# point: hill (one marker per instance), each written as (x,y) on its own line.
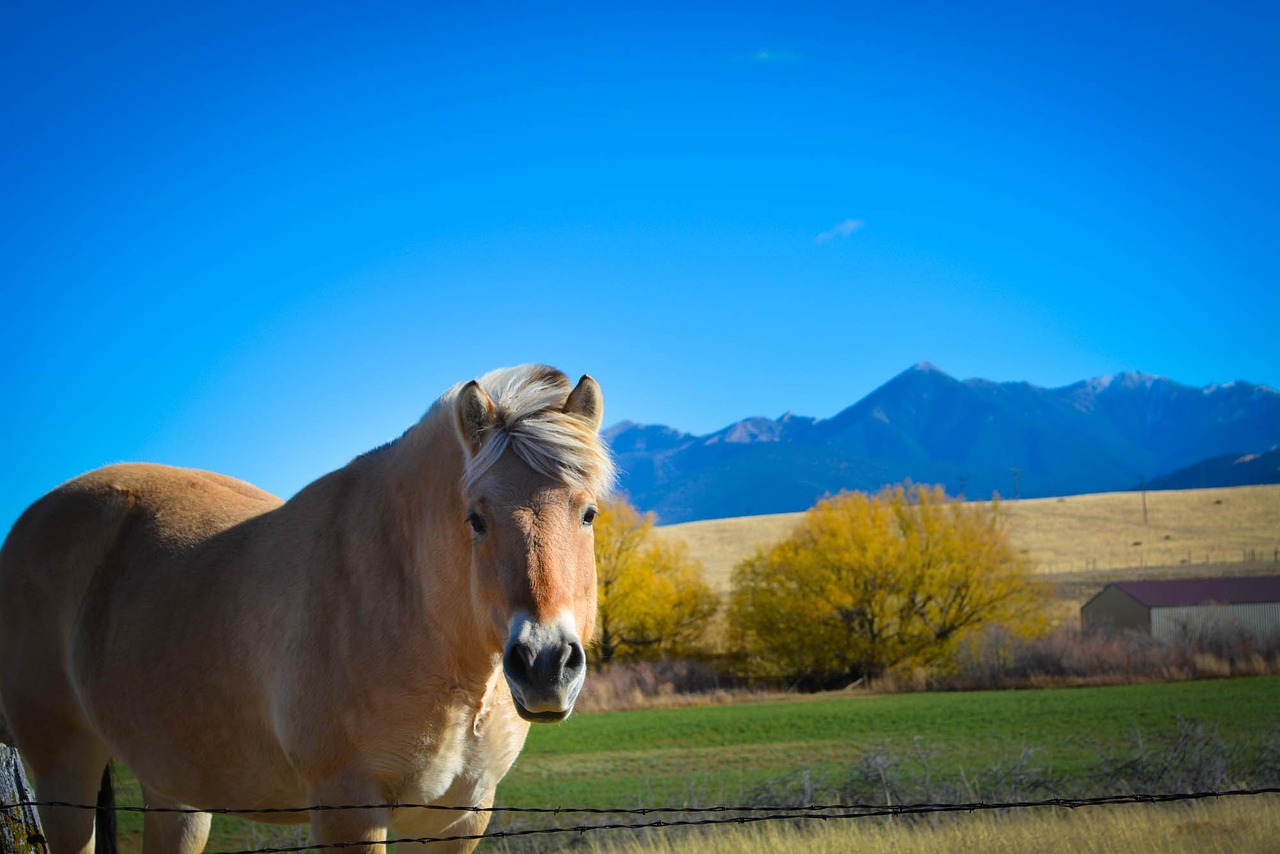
(1081,540)
(973,436)
(1226,470)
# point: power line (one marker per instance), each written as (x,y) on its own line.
(726,814)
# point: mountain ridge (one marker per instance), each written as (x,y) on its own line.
(977,436)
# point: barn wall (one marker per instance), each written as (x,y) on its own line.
(1115,608)
(1171,623)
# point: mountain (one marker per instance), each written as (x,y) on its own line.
(982,437)
(1224,470)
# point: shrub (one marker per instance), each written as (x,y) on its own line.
(866,584)
(653,601)
(998,658)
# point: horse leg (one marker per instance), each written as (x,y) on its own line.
(441,824)
(68,771)
(176,832)
(458,824)
(341,826)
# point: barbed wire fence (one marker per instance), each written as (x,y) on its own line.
(1155,555)
(681,816)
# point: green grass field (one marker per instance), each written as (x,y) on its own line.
(710,755)
(705,754)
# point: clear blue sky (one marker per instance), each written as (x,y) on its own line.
(262,237)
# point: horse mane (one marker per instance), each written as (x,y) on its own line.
(529,402)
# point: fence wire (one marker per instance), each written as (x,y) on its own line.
(713,815)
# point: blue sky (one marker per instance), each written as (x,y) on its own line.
(262,237)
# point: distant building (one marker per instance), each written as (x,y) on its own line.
(1169,609)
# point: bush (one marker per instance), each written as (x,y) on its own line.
(998,658)
(653,601)
(664,682)
(866,584)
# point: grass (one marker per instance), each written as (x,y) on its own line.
(1182,528)
(1195,531)
(1245,825)
(705,754)
(741,753)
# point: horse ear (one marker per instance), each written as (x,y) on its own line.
(475,416)
(586,402)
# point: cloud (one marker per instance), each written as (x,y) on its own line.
(843,229)
(776,55)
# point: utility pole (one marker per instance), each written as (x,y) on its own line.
(1016,472)
(964,478)
(1142,484)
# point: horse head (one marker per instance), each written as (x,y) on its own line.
(535,469)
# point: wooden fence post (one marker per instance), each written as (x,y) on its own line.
(19,827)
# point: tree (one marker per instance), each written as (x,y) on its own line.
(868,583)
(652,598)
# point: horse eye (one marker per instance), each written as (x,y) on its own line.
(477,523)
(589,516)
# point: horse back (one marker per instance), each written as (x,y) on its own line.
(92,527)
(83,543)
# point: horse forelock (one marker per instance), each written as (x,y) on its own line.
(531,422)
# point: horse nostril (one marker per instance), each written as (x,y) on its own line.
(519,660)
(575,658)
(551,665)
(527,655)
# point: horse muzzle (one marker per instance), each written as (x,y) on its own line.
(545,667)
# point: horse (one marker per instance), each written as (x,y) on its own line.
(383,638)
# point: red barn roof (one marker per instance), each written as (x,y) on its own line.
(1244,590)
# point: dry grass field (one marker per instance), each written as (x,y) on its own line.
(1239,826)
(1080,542)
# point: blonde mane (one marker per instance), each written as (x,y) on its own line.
(529,402)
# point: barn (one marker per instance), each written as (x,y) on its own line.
(1170,608)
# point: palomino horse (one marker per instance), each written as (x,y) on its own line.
(348,646)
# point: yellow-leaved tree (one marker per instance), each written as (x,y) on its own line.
(867,583)
(653,600)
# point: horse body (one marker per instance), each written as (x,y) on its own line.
(382,637)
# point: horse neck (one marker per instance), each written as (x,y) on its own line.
(421,476)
